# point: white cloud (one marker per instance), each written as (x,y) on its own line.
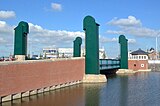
(2,40)
(56,6)
(38,31)
(5,28)
(6,38)
(143,32)
(7,14)
(130,21)
(136,31)
(131,41)
(107,40)
(131,26)
(38,37)
(115,32)
(47,38)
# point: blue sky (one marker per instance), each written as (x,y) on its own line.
(56,23)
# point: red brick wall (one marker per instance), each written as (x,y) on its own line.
(26,76)
(136,64)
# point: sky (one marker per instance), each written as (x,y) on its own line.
(56,23)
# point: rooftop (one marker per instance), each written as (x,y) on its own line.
(139,52)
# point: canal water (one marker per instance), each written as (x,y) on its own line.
(140,89)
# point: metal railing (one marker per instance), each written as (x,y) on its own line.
(107,64)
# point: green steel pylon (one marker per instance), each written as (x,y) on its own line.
(123,52)
(77,47)
(91,29)
(20,41)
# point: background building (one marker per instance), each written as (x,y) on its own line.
(138,60)
(152,55)
(67,53)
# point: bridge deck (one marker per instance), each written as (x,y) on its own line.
(109,64)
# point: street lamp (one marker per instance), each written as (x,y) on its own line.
(157,54)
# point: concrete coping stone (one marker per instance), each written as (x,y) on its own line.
(129,71)
(35,61)
(91,78)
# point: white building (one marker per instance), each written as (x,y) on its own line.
(57,52)
(138,55)
(67,53)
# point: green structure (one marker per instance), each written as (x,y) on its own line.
(77,47)
(91,29)
(123,52)
(20,41)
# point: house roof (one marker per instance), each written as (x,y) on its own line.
(139,52)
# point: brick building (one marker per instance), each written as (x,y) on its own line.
(138,60)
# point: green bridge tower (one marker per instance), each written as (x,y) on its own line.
(77,47)
(20,41)
(91,29)
(123,52)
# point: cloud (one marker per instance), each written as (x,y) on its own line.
(131,41)
(38,37)
(107,40)
(56,6)
(42,38)
(5,28)
(130,21)
(143,32)
(7,14)
(6,38)
(140,32)
(2,40)
(131,26)
(6,33)
(115,32)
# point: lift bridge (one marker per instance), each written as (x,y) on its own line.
(108,65)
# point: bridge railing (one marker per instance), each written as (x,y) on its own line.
(106,64)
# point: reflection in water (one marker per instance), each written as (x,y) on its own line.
(123,91)
(69,96)
(92,94)
(141,89)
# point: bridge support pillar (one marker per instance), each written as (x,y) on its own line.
(20,57)
(92,78)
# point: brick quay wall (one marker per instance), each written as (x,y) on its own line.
(18,79)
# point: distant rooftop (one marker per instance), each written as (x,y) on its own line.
(139,52)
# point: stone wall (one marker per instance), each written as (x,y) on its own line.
(27,76)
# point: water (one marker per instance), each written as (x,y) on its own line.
(141,89)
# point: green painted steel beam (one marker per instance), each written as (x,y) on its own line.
(91,29)
(20,40)
(123,52)
(77,47)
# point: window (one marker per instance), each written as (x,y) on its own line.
(142,65)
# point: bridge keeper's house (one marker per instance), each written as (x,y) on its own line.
(138,60)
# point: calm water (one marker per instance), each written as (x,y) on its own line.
(141,89)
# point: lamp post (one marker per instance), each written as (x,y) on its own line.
(157,54)
(156,47)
